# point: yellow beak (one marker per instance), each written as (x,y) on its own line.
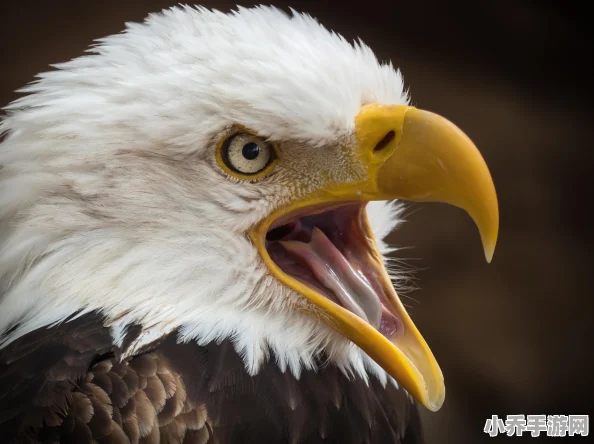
(429,159)
(411,155)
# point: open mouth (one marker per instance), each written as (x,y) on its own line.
(322,247)
(331,250)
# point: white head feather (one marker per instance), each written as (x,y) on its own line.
(110,200)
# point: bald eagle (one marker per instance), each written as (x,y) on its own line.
(192,238)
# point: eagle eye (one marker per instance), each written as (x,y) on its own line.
(246,155)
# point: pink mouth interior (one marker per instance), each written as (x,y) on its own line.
(328,251)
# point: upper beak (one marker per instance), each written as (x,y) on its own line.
(419,156)
(411,155)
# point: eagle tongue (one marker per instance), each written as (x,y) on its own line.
(337,274)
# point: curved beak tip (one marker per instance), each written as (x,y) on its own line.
(489,252)
(436,405)
(489,230)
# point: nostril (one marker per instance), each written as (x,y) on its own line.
(385,141)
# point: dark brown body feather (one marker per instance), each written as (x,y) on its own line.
(67,384)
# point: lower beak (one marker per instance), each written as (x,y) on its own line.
(411,155)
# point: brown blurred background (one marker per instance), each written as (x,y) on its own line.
(513,337)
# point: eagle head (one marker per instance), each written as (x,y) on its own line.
(229,176)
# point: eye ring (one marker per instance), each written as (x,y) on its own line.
(246,156)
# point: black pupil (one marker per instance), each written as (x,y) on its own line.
(250,150)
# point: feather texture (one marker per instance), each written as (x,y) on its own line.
(183,393)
